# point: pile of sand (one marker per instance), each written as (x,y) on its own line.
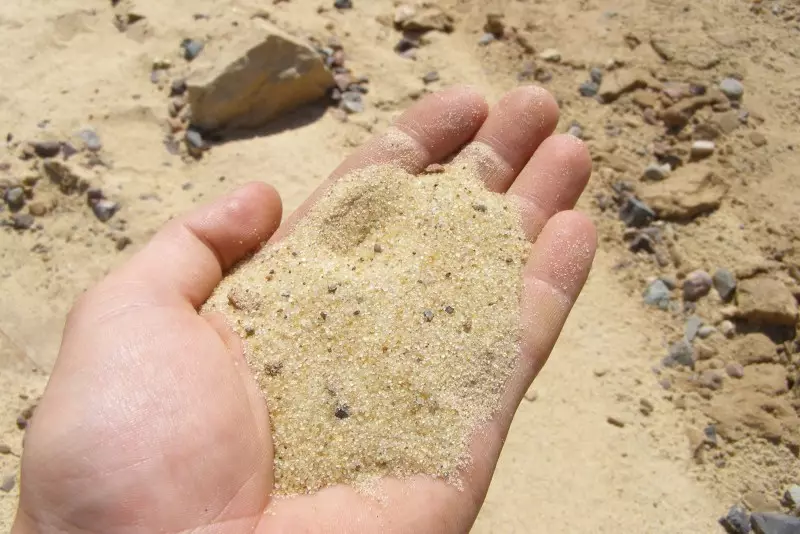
(383,330)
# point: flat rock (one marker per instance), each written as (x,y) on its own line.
(636,213)
(691,191)
(754,348)
(725,284)
(657,294)
(254,76)
(624,81)
(774,523)
(766,300)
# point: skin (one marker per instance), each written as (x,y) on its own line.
(151,421)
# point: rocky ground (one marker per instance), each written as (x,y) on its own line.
(674,393)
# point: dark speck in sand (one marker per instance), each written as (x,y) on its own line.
(342,412)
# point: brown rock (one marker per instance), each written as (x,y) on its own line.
(253,77)
(754,348)
(691,191)
(758,502)
(728,122)
(766,300)
(734,370)
(758,139)
(429,17)
(623,81)
(67,178)
(679,113)
(645,99)
(745,413)
(704,351)
(766,378)
(37,209)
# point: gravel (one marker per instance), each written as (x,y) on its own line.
(732,88)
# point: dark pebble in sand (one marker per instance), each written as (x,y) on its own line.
(342,412)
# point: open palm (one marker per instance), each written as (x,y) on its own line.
(151,421)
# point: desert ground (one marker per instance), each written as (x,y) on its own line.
(674,391)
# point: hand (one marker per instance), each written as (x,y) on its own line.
(151,421)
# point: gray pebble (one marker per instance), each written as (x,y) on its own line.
(589,89)
(342,412)
(657,294)
(680,353)
(727,328)
(15,198)
(486,39)
(9,482)
(104,209)
(192,48)
(449,310)
(692,326)
(352,102)
(792,496)
(195,140)
(636,213)
(596,75)
(22,221)
(428,315)
(91,139)
(343,4)
(575,130)
(432,76)
(725,284)
(732,88)
(178,87)
(705,331)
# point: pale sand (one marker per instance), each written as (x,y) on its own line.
(383,330)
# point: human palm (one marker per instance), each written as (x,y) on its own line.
(152,422)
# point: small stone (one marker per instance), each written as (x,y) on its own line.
(177,87)
(378,248)
(734,370)
(343,4)
(774,523)
(191,48)
(479,207)
(551,54)
(704,351)
(706,331)
(342,412)
(615,421)
(37,209)
(680,353)
(732,88)
(636,213)
(449,310)
(646,407)
(431,77)
(9,482)
(727,328)
(531,396)
(736,521)
(5,449)
(90,139)
(46,149)
(22,221)
(596,75)
(725,284)
(692,326)
(758,139)
(656,172)
(486,39)
(697,285)
(657,294)
(122,242)
(104,209)
(575,130)
(195,140)
(15,198)
(428,315)
(352,102)
(22,422)
(702,149)
(589,89)
(710,379)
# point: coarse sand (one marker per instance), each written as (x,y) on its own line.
(383,329)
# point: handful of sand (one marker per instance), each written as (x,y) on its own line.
(383,329)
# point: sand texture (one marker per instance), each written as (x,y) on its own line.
(383,330)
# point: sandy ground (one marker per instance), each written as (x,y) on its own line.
(565,468)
